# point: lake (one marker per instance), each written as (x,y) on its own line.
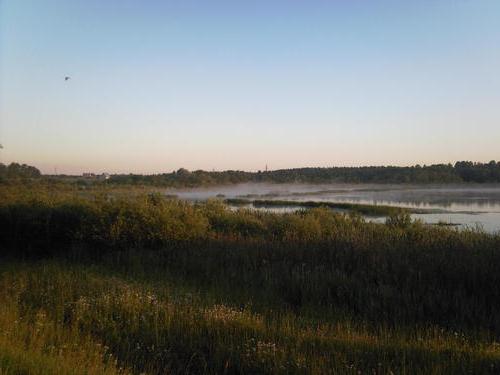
(467,205)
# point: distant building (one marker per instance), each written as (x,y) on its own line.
(102,176)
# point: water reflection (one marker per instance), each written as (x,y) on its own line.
(469,205)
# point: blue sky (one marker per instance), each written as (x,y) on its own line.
(158,85)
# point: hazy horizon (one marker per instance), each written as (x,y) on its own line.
(55,171)
(160,85)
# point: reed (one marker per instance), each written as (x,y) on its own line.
(146,284)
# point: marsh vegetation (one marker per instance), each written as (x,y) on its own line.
(139,283)
(363,209)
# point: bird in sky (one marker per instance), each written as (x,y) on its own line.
(67,78)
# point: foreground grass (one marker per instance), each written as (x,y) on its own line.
(53,315)
(32,342)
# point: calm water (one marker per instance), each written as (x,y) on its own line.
(467,205)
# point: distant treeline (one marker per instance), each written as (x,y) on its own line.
(463,171)
(16,171)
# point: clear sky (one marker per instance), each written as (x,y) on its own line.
(159,85)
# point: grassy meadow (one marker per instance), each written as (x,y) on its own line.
(99,281)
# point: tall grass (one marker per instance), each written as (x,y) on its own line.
(34,342)
(167,329)
(166,286)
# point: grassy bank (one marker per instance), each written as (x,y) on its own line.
(362,209)
(143,284)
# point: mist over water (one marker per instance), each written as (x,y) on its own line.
(467,205)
